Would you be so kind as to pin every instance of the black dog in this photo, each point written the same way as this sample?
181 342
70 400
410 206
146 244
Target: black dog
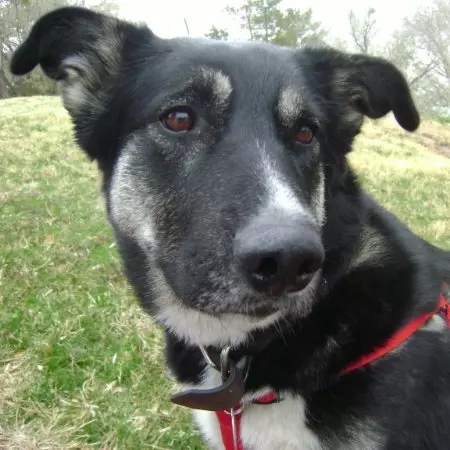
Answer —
246 234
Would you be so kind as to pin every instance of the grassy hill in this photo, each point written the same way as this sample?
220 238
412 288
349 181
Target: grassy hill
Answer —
80 364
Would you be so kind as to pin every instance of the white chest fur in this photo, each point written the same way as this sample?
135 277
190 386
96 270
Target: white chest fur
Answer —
263 427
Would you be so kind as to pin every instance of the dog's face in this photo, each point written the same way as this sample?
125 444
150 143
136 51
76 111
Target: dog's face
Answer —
219 160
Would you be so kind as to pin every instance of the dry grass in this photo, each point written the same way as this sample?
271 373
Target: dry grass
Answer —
409 174
80 364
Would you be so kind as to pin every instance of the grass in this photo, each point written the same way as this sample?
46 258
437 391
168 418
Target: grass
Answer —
80 365
444 119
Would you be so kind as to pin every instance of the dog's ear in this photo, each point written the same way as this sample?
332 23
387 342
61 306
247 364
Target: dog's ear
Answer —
85 52
366 85
77 47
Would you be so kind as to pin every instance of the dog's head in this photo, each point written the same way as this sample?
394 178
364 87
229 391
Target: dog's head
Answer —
220 160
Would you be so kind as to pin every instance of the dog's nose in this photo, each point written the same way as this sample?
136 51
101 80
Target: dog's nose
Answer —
279 258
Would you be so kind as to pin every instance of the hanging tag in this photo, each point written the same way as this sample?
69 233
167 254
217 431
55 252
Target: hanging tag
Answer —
225 396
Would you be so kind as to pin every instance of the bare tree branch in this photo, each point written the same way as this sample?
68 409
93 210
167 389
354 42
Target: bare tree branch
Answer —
363 30
429 68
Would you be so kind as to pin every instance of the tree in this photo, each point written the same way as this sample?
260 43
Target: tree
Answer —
296 29
421 49
219 34
258 17
362 30
265 21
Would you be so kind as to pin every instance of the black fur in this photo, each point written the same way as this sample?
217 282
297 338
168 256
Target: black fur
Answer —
202 187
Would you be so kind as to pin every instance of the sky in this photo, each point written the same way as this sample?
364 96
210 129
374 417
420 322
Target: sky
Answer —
166 18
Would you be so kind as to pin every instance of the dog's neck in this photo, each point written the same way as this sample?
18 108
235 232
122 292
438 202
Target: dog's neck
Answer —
256 343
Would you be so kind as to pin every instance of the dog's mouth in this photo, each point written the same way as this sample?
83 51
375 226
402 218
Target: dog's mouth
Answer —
218 294
262 309
245 302
285 300
228 316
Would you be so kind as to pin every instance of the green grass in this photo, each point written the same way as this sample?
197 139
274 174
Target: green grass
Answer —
444 120
80 365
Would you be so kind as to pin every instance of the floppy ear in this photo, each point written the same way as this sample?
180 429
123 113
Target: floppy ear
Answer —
85 52
367 85
77 47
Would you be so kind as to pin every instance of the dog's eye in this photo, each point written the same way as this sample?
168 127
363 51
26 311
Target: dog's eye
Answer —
305 135
178 120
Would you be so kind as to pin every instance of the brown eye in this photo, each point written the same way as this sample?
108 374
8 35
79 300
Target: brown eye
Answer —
178 120
304 136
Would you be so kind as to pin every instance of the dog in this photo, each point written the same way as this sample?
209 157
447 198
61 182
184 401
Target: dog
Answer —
298 312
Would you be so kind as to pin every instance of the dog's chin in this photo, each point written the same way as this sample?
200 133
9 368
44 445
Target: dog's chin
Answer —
261 308
231 326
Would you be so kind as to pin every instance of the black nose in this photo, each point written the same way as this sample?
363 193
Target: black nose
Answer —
278 258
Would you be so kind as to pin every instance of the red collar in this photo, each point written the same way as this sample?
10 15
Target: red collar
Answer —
230 420
442 308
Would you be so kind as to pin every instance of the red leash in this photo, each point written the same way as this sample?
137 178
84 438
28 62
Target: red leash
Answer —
230 420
